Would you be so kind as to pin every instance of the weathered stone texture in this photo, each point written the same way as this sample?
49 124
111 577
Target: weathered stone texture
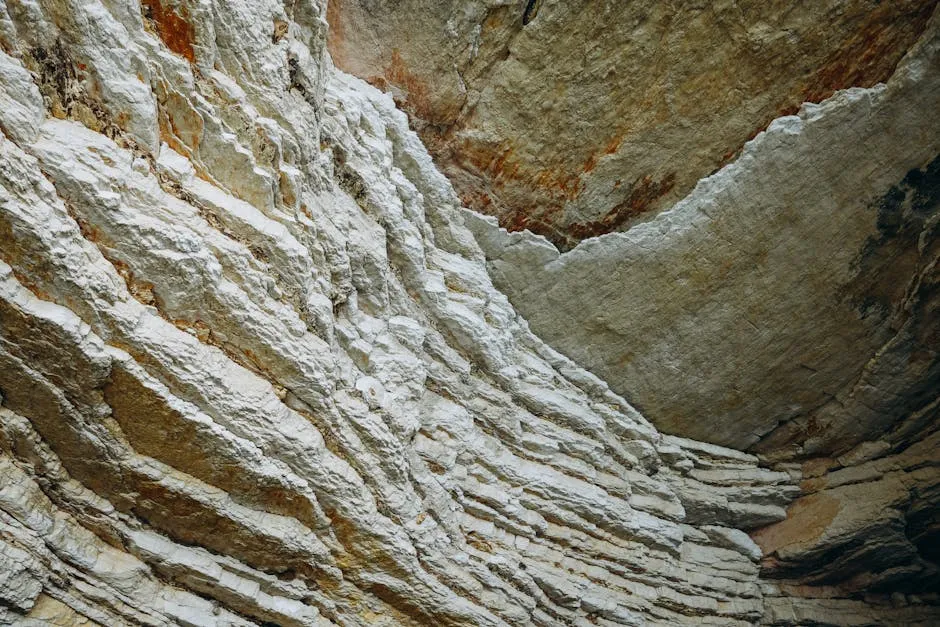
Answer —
867 523
595 115
788 306
789 303
253 369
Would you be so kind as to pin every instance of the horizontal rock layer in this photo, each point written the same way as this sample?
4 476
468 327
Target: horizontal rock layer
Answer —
253 369
788 306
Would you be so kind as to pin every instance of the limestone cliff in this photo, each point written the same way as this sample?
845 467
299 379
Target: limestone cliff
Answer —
787 306
253 370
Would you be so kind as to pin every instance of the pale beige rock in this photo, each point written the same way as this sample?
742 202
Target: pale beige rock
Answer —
861 527
577 118
788 303
253 369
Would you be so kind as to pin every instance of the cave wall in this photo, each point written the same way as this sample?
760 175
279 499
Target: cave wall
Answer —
254 368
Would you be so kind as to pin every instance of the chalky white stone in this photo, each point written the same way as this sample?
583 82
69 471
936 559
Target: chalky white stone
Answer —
253 369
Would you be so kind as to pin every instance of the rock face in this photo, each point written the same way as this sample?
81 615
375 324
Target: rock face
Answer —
253 371
789 306
577 118
789 303
868 521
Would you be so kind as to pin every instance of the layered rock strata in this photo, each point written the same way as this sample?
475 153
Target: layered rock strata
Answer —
576 118
253 370
788 306
867 522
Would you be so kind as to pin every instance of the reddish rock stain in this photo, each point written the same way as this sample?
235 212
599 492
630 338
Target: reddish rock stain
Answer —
506 183
643 196
417 99
173 28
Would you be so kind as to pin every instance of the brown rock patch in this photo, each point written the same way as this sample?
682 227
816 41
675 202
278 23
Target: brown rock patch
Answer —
174 28
807 519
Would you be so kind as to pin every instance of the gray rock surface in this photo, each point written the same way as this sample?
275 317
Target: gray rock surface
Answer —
788 305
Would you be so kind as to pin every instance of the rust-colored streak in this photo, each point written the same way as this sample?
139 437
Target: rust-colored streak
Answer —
613 145
542 224
590 164
865 59
527 186
502 169
336 36
871 54
610 148
173 28
417 100
499 166
643 195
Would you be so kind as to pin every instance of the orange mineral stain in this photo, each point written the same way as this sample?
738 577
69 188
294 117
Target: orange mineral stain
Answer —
174 30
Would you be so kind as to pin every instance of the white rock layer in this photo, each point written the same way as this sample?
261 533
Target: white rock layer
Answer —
253 369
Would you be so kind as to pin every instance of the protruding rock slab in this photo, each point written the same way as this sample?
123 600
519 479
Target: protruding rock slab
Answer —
577 118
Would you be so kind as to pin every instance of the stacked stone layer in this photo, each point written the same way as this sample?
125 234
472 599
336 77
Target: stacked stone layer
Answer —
253 369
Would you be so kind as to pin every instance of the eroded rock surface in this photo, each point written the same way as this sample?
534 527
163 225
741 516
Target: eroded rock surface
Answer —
867 521
253 369
577 118
787 306
789 303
